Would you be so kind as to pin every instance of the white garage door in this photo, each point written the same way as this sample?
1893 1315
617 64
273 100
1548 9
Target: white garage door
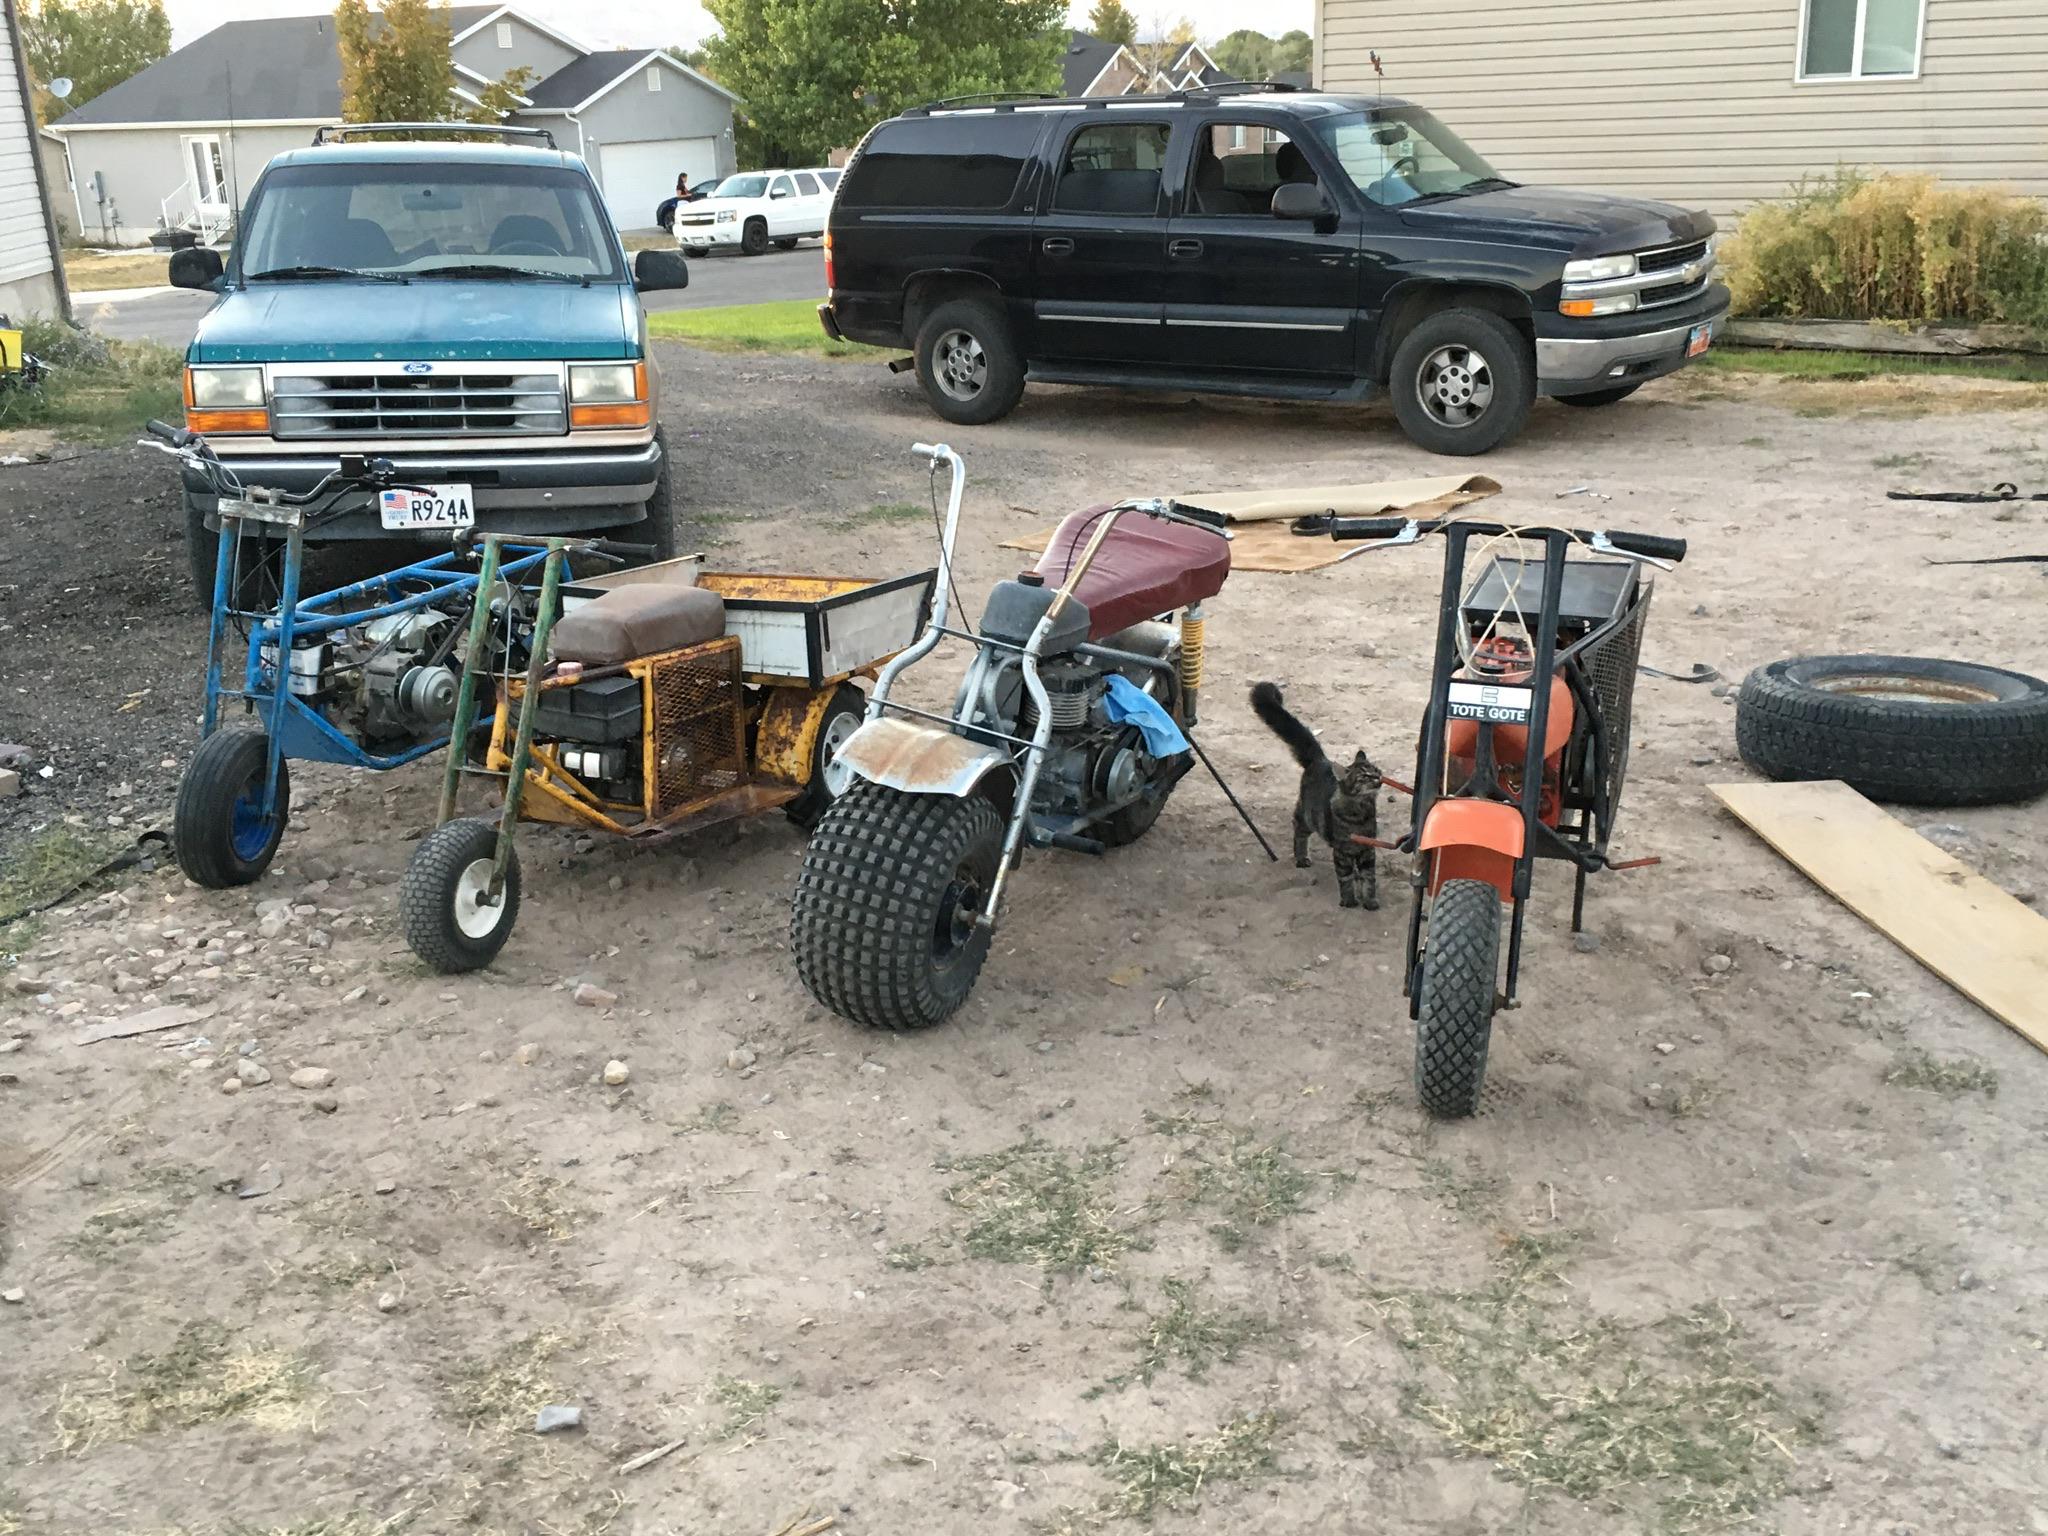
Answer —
638 177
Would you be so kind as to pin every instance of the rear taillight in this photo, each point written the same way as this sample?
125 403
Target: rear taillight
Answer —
828 262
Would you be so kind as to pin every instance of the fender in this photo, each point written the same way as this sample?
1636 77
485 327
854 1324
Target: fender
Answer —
786 745
1474 840
922 759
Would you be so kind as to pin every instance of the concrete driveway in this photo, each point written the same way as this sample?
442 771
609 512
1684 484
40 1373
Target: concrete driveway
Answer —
170 315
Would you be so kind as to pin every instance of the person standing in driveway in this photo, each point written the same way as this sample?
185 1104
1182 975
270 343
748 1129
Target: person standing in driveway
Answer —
665 215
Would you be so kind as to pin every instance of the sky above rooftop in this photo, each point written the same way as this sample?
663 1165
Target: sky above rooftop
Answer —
625 23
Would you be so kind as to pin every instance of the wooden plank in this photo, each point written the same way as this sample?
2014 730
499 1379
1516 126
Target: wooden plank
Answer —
1988 946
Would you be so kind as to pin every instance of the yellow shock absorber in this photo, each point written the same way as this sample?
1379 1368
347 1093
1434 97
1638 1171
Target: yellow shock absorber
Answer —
1191 623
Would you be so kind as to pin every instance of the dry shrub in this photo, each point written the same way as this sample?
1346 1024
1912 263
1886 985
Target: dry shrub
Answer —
1854 246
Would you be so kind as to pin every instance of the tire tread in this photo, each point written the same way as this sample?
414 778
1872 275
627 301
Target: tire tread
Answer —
1454 1023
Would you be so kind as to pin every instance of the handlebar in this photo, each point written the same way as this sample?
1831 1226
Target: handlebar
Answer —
177 437
1646 546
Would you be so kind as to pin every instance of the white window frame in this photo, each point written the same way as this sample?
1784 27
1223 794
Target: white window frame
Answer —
1855 76
504 34
653 77
190 142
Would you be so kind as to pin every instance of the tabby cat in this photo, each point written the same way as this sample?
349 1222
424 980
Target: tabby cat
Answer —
1332 805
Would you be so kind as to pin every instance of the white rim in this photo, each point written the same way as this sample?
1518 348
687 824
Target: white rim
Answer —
473 916
1455 385
838 731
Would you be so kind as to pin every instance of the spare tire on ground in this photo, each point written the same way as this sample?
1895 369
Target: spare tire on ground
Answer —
1909 729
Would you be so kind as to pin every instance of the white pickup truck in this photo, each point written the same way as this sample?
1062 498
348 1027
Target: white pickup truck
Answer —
757 209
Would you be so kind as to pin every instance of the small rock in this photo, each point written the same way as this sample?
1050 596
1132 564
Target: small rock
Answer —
1665 1047
587 995
9 1047
1045 1047
272 926
1097 1273
89 1176
1722 690
26 985
527 1054
232 1085
1948 1450
1585 943
14 1297
615 884
584 844
740 1057
487 1055
1717 965
1703 760
616 1073
387 1186
387 1302
326 1103
253 1074
1788 1311
556 1417
354 994
124 983
319 938
874 1067
1968 1280
487 1101
311 1077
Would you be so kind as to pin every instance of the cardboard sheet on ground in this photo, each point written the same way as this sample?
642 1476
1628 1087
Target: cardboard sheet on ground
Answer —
1259 519
1986 944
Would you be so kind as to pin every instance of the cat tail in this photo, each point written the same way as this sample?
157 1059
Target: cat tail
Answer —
1301 741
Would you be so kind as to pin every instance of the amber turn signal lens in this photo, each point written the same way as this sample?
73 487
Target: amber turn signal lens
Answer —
634 414
1579 307
215 423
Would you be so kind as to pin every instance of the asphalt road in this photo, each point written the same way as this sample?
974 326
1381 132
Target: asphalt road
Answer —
172 317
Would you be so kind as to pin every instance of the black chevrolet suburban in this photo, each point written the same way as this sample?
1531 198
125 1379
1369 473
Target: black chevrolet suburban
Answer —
1254 241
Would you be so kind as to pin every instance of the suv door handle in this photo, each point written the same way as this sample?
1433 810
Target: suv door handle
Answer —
1057 245
1183 250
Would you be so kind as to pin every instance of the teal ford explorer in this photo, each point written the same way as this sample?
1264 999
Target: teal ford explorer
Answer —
466 310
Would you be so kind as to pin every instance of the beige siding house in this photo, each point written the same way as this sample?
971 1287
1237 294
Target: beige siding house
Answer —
1713 103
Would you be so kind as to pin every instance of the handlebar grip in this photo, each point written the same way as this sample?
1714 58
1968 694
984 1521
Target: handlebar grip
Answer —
1357 527
618 551
1654 545
177 437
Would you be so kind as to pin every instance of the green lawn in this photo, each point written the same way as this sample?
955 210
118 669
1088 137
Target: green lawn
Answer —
97 390
1870 365
90 272
789 325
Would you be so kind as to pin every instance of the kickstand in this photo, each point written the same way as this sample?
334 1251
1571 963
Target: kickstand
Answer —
1234 803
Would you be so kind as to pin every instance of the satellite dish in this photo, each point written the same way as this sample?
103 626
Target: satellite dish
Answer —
61 87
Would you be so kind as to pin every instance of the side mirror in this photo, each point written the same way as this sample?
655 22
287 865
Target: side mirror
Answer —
197 266
1300 200
657 269
778 192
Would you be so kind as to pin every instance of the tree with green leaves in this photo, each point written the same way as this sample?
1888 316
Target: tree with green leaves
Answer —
1112 22
498 100
817 74
95 44
1251 55
395 64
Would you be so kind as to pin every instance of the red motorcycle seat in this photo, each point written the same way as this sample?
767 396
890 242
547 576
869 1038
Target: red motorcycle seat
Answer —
1145 568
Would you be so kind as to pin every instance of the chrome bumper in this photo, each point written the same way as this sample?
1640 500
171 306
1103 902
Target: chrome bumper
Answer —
1570 360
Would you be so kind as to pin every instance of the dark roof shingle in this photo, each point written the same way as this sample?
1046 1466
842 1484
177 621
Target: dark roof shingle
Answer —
575 83
248 71
1086 58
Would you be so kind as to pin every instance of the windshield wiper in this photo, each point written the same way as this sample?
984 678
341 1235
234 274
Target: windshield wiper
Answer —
495 269
294 274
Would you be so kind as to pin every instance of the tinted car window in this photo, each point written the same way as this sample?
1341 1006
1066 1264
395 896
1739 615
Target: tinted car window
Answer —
830 178
779 187
941 162
806 184
1113 168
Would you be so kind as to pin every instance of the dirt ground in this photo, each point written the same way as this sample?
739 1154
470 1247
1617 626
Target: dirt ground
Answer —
1152 1232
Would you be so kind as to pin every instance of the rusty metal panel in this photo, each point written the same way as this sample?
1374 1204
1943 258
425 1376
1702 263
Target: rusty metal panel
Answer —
786 744
920 759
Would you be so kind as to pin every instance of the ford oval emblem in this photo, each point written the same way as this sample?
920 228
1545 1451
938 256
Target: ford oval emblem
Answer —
419 367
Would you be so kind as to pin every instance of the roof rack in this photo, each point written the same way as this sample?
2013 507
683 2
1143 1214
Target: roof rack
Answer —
992 96
1240 88
340 132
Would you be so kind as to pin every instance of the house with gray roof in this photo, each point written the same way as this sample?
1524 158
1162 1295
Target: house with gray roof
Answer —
31 270
178 146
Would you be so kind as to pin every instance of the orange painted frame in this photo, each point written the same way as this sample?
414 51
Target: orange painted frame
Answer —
1474 840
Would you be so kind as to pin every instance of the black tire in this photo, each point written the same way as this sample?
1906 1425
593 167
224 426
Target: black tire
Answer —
1454 1019
785 245
443 923
217 828
1600 396
1472 353
881 923
696 252
1909 729
843 716
968 363
658 527
754 238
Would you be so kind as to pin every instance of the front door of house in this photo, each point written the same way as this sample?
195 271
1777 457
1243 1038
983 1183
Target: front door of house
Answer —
207 172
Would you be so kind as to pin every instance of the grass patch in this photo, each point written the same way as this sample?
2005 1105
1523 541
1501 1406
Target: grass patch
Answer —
1247 1182
784 326
1149 1478
908 1256
885 512
538 1204
1666 1420
1850 366
508 1389
95 272
43 869
1188 1337
746 1404
1951 1077
95 390
1470 1191
1033 1203
146 1214
203 1377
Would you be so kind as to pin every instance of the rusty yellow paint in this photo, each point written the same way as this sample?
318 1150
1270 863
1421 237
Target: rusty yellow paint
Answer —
786 744
779 587
918 758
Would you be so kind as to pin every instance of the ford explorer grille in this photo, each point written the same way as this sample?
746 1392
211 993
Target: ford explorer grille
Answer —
507 402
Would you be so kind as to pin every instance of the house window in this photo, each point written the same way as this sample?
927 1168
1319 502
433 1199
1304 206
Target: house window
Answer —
1860 39
654 77
504 34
